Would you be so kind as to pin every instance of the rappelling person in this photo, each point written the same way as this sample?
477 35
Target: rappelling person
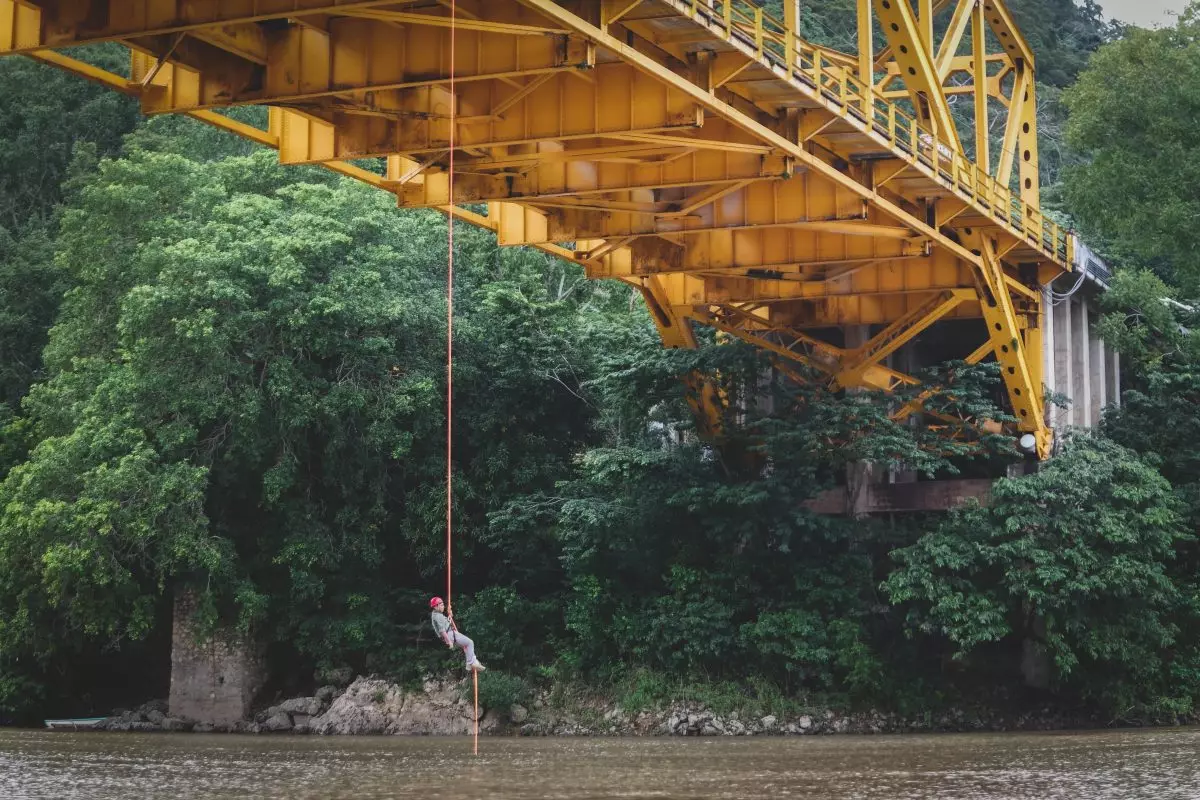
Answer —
445 629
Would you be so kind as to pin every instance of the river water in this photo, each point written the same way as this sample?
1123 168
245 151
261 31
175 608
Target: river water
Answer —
1157 764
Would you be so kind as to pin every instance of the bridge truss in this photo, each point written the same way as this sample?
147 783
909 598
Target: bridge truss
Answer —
736 174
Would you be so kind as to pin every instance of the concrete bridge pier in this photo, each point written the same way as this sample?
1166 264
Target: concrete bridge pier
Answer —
214 675
1079 364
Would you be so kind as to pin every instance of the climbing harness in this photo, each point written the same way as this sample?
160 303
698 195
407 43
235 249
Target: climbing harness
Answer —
450 356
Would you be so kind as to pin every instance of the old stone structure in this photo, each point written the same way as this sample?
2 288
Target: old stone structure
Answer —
213 678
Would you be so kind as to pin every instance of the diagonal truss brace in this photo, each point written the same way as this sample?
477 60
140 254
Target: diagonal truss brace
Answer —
795 346
897 334
1005 332
918 402
918 68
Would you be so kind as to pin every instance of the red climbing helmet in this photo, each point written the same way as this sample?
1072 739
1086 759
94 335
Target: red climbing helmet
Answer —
433 602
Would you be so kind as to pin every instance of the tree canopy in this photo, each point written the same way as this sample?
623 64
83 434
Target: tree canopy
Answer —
1132 119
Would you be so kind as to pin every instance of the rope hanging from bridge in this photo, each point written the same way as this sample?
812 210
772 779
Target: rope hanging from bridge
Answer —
450 355
450 335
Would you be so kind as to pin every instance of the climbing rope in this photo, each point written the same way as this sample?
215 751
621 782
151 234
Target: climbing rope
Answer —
450 327
450 355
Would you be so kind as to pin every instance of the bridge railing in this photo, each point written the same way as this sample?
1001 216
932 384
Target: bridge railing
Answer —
829 73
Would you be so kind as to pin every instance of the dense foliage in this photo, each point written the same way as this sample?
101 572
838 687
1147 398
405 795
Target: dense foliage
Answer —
227 377
1133 118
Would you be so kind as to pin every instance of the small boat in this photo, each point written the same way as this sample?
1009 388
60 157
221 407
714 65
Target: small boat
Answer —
83 724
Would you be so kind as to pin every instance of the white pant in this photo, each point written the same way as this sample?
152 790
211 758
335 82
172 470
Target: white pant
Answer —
466 644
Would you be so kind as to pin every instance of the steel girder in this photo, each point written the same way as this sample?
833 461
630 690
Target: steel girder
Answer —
698 150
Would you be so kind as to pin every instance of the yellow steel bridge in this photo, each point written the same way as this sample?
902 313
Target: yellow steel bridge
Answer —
738 175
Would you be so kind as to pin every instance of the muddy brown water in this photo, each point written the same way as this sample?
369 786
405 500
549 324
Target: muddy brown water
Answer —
1112 764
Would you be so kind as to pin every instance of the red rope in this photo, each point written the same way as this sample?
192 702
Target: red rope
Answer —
450 351
450 325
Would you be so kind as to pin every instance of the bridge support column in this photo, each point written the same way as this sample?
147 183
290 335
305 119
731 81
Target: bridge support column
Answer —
1063 362
1081 386
1099 377
1048 348
214 677
859 474
1114 379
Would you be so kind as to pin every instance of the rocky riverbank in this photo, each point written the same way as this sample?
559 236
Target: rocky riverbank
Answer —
373 706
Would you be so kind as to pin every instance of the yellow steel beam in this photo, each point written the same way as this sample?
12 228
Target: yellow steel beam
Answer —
948 48
782 253
1012 128
563 224
794 345
1024 108
458 23
788 303
246 40
900 332
722 68
826 273
353 61
754 127
612 11
1006 31
522 159
888 274
620 103
886 53
690 141
675 330
707 197
925 23
530 178
917 68
71 22
983 156
1005 334
866 44
918 402
86 71
667 176
728 289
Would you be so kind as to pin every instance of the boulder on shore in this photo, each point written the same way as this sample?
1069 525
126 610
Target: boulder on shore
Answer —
375 706
300 705
277 723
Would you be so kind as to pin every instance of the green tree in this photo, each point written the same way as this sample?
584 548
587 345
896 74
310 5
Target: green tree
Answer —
682 559
1132 118
1073 559
1158 340
53 126
246 396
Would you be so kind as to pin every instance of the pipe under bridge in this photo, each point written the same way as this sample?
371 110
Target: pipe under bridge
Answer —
830 207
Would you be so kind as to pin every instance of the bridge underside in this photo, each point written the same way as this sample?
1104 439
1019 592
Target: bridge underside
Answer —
737 175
